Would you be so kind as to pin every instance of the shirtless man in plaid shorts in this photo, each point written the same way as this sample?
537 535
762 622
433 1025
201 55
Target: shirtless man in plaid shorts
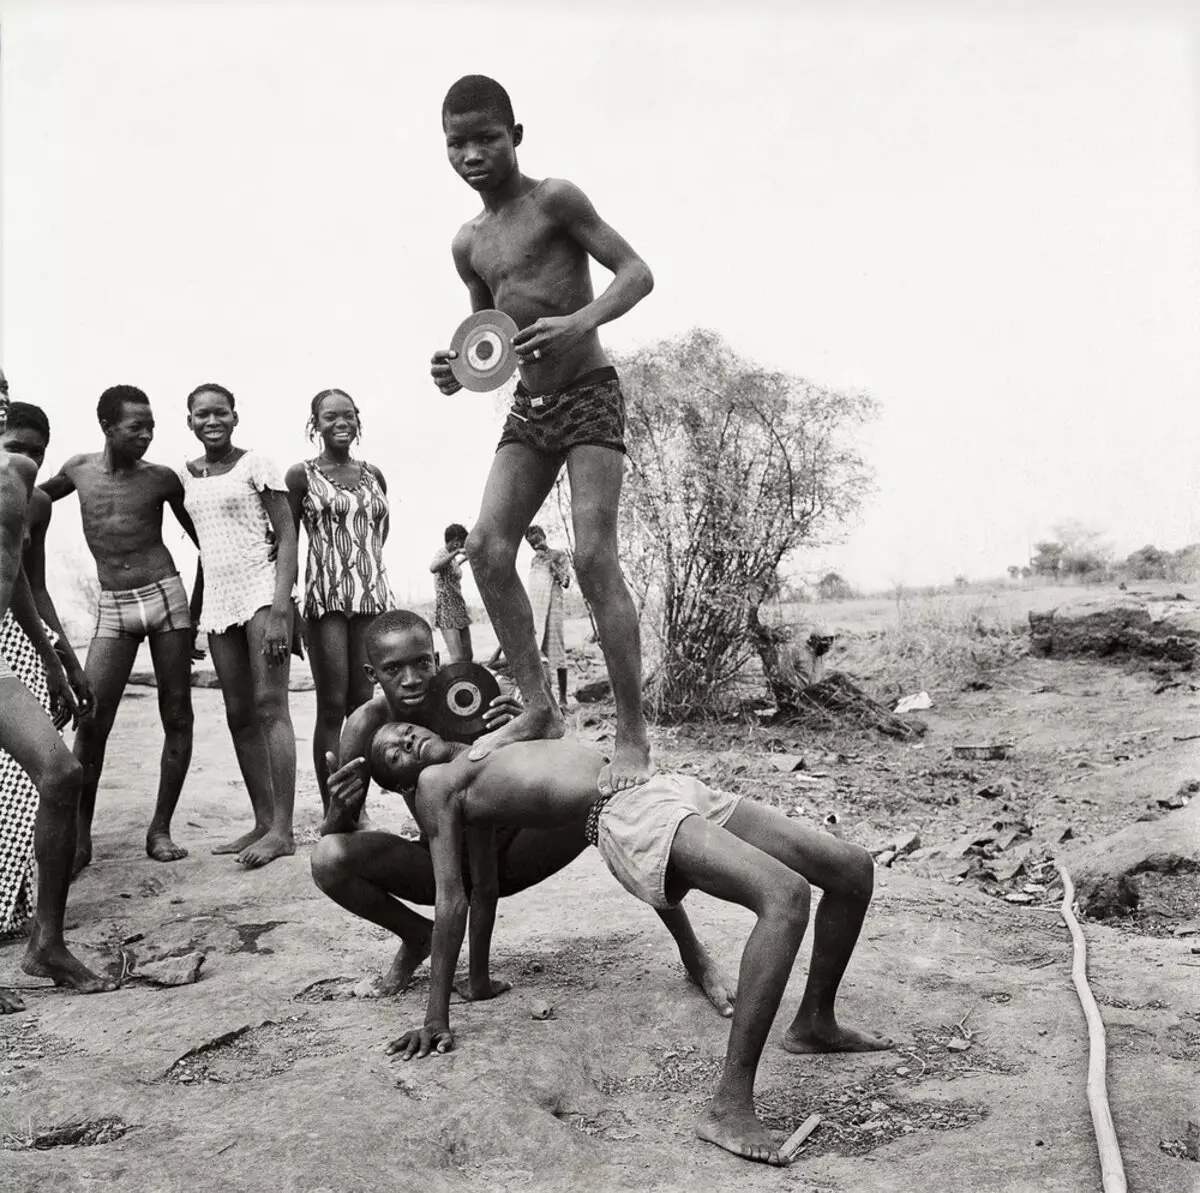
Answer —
528 253
30 737
121 498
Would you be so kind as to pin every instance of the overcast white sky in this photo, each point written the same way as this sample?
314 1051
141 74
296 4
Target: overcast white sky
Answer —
988 215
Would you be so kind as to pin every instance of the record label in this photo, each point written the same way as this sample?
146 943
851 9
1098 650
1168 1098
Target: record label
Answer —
457 699
486 358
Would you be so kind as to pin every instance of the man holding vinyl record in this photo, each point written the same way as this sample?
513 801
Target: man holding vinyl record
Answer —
368 871
525 259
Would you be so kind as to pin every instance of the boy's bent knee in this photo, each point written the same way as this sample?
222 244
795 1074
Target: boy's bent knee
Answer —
328 861
61 775
790 900
856 874
488 552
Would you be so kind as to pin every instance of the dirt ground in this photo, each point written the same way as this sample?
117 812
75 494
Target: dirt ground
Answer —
268 1072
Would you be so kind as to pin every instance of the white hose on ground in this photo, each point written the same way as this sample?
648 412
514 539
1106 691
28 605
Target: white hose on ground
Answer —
1112 1172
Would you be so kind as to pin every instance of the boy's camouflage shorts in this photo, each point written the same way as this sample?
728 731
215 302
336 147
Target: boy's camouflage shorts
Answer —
591 410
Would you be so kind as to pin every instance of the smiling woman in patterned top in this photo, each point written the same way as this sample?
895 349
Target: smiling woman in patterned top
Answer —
343 505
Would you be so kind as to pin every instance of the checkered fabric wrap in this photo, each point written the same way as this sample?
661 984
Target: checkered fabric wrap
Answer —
591 830
18 796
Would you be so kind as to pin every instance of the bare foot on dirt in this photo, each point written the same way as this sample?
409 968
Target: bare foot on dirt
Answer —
161 848
10 1003
717 987
738 1130
494 988
408 959
64 969
266 849
630 767
534 724
242 842
833 1038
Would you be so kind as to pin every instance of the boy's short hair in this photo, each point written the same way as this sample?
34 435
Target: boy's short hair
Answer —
28 417
478 93
210 387
392 621
108 409
455 531
534 528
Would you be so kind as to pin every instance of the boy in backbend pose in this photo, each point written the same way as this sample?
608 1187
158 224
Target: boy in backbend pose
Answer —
659 840
121 498
30 737
527 254
369 872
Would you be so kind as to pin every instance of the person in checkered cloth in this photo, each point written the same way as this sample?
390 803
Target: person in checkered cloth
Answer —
30 737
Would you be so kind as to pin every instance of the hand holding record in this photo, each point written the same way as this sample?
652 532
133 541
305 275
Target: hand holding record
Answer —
458 699
481 355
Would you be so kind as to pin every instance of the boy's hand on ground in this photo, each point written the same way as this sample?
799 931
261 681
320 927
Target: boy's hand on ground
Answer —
503 708
472 991
439 370
346 786
547 336
421 1041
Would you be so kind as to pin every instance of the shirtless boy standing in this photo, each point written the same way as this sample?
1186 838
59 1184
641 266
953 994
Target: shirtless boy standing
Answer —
659 840
29 736
121 498
527 254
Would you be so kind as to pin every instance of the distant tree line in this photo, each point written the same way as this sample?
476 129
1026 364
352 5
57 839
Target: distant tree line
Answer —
1077 554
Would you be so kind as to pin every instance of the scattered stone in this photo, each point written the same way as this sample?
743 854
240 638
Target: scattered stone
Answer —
172 971
1189 928
786 763
915 703
958 1045
995 752
594 692
907 844
1018 897
1172 803
541 1009
1003 788
885 858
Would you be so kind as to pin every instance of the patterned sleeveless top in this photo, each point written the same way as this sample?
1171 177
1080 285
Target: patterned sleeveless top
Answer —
345 528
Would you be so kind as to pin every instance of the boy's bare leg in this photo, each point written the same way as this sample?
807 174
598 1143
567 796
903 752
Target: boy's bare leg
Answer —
368 873
722 865
698 962
517 485
846 875
329 658
596 474
171 654
458 645
27 734
109 661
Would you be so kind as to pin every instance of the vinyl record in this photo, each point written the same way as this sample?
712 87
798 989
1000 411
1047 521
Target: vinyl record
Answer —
486 358
457 699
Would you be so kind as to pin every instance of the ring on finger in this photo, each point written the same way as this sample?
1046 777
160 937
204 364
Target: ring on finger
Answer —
537 354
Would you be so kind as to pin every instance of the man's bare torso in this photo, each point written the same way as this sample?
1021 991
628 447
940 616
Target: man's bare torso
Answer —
122 519
534 269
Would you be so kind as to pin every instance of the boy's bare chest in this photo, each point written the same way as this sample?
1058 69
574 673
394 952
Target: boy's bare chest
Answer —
518 245
104 496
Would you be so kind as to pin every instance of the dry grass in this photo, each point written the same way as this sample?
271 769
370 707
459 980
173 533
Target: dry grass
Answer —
936 645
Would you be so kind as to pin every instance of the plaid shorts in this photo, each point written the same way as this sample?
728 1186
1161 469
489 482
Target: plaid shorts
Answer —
157 608
589 411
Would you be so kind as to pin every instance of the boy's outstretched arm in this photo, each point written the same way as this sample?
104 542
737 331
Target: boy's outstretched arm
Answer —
440 816
61 483
485 891
632 280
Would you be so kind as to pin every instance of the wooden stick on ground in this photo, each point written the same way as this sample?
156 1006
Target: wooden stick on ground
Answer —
798 1136
1112 1172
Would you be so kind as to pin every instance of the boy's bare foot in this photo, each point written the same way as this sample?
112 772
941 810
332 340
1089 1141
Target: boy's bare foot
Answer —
64 969
266 849
494 988
833 1038
242 842
10 1003
738 1130
409 958
161 848
536 723
718 989
630 767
